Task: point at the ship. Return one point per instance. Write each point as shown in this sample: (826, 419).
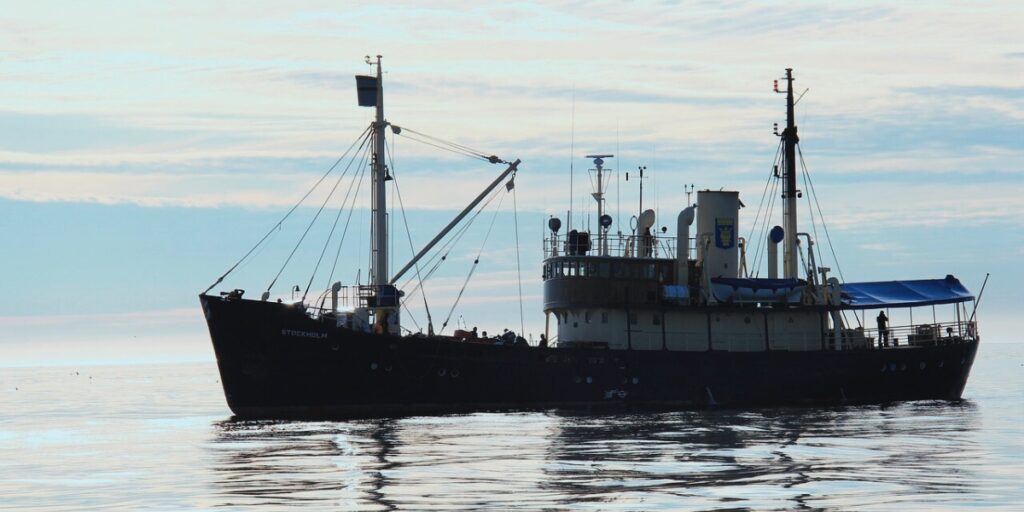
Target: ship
(636, 319)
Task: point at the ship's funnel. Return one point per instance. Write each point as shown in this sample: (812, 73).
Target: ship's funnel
(683, 245)
(718, 223)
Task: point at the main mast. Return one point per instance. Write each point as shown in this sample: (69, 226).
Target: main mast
(379, 263)
(789, 191)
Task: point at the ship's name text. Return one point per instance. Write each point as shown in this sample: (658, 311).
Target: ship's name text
(304, 334)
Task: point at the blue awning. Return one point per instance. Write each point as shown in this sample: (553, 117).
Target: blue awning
(904, 294)
(758, 284)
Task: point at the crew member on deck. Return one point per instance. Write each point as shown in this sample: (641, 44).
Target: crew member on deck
(883, 329)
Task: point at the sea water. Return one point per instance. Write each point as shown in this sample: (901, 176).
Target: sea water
(160, 437)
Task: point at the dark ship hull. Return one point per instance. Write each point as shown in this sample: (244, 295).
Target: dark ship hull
(277, 362)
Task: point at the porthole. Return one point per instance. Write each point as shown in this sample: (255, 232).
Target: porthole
(441, 372)
(922, 365)
(373, 366)
(590, 380)
(636, 380)
(455, 373)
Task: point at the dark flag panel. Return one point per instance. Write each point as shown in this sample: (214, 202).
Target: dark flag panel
(367, 88)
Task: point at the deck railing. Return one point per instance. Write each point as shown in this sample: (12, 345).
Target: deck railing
(938, 333)
(619, 245)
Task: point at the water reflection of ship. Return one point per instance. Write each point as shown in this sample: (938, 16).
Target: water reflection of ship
(779, 458)
(264, 463)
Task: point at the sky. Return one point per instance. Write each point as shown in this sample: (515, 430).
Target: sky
(145, 146)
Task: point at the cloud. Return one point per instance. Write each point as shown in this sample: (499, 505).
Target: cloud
(156, 320)
(151, 189)
(65, 132)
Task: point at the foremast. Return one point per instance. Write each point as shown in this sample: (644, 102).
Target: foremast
(382, 298)
(379, 262)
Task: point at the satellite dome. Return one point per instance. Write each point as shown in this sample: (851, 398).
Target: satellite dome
(646, 220)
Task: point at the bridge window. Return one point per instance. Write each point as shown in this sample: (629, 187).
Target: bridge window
(604, 317)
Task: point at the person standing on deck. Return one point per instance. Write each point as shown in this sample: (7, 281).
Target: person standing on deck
(883, 329)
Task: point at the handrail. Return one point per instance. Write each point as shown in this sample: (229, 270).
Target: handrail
(620, 245)
(933, 333)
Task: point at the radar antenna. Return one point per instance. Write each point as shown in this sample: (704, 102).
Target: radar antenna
(604, 221)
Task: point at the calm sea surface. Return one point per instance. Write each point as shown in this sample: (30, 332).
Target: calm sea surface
(161, 437)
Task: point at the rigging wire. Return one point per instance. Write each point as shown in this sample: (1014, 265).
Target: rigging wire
(438, 146)
(618, 193)
(757, 217)
(435, 261)
(445, 145)
(450, 243)
(411, 317)
(764, 230)
(761, 204)
(572, 159)
(476, 262)
(475, 152)
(810, 211)
(770, 192)
(337, 217)
(220, 279)
(519, 269)
(807, 176)
(412, 249)
(348, 220)
(310, 226)
(441, 255)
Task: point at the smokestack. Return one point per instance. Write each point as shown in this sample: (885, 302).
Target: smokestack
(683, 246)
